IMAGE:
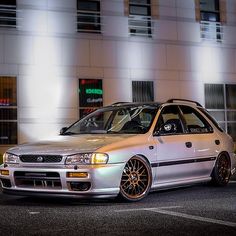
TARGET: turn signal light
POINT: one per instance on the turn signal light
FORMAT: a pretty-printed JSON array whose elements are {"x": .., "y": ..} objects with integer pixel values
[
  {"x": 77, "y": 174},
  {"x": 4, "y": 172}
]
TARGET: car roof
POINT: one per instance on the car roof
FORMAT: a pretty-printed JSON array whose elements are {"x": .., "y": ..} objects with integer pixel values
[{"x": 121, "y": 104}]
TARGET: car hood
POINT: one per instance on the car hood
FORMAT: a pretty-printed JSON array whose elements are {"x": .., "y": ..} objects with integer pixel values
[{"x": 67, "y": 145}]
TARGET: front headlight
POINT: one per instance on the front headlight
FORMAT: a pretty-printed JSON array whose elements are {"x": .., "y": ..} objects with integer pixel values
[
  {"x": 9, "y": 158},
  {"x": 87, "y": 159}
]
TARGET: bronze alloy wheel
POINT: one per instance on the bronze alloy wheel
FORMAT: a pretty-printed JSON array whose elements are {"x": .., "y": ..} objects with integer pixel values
[
  {"x": 221, "y": 172},
  {"x": 136, "y": 179}
]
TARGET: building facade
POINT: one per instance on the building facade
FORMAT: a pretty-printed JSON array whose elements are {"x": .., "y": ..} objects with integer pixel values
[{"x": 60, "y": 59}]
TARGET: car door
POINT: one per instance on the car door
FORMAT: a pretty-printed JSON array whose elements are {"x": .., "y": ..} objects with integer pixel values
[
  {"x": 174, "y": 151},
  {"x": 204, "y": 142}
]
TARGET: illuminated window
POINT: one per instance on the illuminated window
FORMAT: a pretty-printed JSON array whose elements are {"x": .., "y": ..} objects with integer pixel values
[
  {"x": 220, "y": 100},
  {"x": 210, "y": 22},
  {"x": 88, "y": 16},
  {"x": 8, "y": 111},
  {"x": 8, "y": 13},
  {"x": 90, "y": 95},
  {"x": 140, "y": 18},
  {"x": 142, "y": 91}
]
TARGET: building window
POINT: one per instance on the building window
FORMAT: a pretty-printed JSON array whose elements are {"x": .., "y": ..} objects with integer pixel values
[
  {"x": 142, "y": 91},
  {"x": 8, "y": 111},
  {"x": 88, "y": 16},
  {"x": 220, "y": 100},
  {"x": 140, "y": 18},
  {"x": 90, "y": 95},
  {"x": 8, "y": 13},
  {"x": 210, "y": 21}
]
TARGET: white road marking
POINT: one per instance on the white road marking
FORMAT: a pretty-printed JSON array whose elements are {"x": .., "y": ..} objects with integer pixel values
[
  {"x": 161, "y": 210},
  {"x": 34, "y": 212},
  {"x": 198, "y": 218},
  {"x": 147, "y": 209}
]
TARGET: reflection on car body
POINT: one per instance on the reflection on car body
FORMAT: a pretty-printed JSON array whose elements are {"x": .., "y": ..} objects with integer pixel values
[{"x": 124, "y": 150}]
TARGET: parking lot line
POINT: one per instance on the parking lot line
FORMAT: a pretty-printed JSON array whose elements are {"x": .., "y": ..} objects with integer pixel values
[
  {"x": 161, "y": 210},
  {"x": 193, "y": 217}
]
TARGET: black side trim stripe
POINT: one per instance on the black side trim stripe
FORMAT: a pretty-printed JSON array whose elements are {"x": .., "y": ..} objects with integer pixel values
[{"x": 171, "y": 163}]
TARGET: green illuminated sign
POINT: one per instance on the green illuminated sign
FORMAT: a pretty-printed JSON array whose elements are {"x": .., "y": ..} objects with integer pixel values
[{"x": 94, "y": 91}]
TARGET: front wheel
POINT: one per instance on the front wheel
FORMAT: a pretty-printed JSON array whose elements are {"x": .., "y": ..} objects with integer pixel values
[
  {"x": 222, "y": 171},
  {"x": 136, "y": 179}
]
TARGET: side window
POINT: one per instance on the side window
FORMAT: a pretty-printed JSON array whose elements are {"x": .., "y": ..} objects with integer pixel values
[
  {"x": 194, "y": 121},
  {"x": 207, "y": 114},
  {"x": 169, "y": 121}
]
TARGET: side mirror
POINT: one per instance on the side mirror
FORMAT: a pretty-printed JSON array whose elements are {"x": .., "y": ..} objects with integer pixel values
[{"x": 63, "y": 130}]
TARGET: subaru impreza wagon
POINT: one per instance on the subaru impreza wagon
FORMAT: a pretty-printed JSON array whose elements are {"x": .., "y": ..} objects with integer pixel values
[{"x": 124, "y": 150}]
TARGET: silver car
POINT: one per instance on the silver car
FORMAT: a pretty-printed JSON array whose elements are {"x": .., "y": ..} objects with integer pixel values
[{"x": 124, "y": 150}]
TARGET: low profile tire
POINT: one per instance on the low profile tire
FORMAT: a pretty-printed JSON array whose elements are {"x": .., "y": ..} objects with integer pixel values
[
  {"x": 222, "y": 171},
  {"x": 136, "y": 180}
]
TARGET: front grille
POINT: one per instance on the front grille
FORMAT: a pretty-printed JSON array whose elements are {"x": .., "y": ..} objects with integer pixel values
[
  {"x": 41, "y": 158},
  {"x": 37, "y": 180}
]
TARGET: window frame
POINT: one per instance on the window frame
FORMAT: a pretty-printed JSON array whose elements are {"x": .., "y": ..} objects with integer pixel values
[
  {"x": 94, "y": 15},
  {"x": 140, "y": 21},
  {"x": 210, "y": 29},
  {"x": 183, "y": 122},
  {"x": 8, "y": 14},
  {"x": 226, "y": 122}
]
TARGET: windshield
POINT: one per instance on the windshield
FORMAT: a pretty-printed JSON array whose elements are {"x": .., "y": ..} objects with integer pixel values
[{"x": 120, "y": 120}]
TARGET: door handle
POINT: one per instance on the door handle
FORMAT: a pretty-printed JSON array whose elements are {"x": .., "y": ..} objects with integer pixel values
[{"x": 188, "y": 144}]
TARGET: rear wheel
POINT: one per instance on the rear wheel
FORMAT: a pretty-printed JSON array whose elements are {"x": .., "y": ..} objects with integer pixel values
[
  {"x": 222, "y": 171},
  {"x": 136, "y": 179}
]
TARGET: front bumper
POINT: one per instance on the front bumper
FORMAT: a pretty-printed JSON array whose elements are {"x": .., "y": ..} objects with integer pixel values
[{"x": 101, "y": 181}]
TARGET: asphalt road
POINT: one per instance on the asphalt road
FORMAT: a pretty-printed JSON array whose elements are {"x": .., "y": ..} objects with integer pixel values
[{"x": 196, "y": 210}]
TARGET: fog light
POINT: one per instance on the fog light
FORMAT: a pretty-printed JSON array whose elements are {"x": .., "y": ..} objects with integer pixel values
[
  {"x": 77, "y": 174},
  {"x": 80, "y": 186},
  {"x": 4, "y": 172},
  {"x": 6, "y": 183}
]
